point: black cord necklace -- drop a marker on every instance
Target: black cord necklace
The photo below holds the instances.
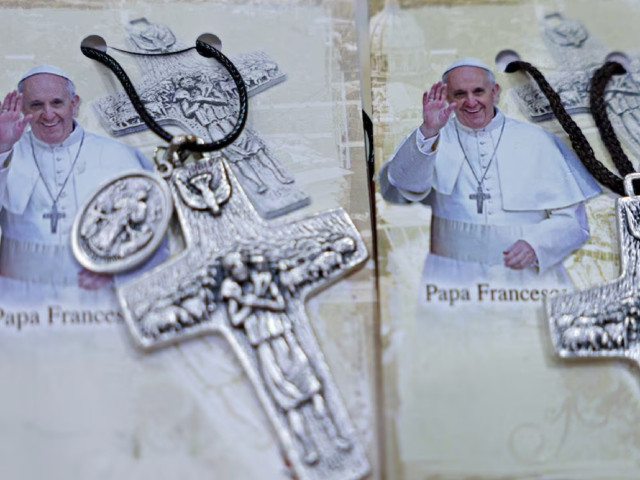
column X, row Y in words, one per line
column 578, row 141
column 122, row 200
column 599, row 82
column 95, row 47
column 606, row 315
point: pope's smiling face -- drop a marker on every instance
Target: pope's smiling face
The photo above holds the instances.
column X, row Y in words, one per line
column 47, row 98
column 474, row 94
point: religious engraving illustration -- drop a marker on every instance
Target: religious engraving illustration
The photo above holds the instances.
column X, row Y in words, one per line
column 199, row 96
column 565, row 31
column 250, row 156
column 247, row 280
column 205, row 188
column 150, row 37
column 623, row 104
column 578, row 55
column 123, row 223
column 603, row 320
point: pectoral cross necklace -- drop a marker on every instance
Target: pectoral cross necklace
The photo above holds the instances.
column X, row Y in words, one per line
column 480, row 196
column 54, row 214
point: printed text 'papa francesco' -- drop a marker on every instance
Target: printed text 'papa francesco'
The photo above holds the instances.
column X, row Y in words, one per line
column 55, row 315
column 485, row 293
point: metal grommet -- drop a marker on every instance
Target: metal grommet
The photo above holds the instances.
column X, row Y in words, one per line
column 628, row 184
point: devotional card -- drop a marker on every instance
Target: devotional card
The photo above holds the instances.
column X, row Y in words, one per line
column 472, row 385
column 80, row 398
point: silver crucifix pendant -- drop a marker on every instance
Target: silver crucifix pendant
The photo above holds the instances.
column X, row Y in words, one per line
column 54, row 215
column 602, row 321
column 247, row 280
column 479, row 197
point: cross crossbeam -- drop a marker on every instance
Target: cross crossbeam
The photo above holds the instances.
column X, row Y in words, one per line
column 200, row 97
column 602, row 321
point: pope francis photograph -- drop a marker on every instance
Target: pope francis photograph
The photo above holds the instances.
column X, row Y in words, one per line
column 49, row 166
column 507, row 197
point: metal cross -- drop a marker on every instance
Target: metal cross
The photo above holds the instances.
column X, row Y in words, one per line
column 578, row 55
column 247, row 280
column 602, row 321
column 199, row 96
column 479, row 197
column 54, row 215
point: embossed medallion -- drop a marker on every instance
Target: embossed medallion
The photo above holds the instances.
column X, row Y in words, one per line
column 122, row 224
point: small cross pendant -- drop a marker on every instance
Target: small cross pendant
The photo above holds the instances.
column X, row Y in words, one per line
column 479, row 197
column 53, row 216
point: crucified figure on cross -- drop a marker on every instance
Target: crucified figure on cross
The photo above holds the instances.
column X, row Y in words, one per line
column 247, row 280
column 255, row 303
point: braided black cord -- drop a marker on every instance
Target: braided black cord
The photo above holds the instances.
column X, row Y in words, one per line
column 208, row 51
column 599, row 82
column 204, row 50
column 115, row 67
column 578, row 141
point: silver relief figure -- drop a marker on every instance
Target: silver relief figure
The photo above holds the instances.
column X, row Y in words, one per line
column 247, row 280
column 150, row 37
column 249, row 155
column 204, row 187
column 199, row 96
column 603, row 321
column 123, row 223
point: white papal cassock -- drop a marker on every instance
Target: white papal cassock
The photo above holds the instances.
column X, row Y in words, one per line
column 32, row 257
column 537, row 189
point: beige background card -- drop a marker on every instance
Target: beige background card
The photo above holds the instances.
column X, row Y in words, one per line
column 79, row 400
column 474, row 390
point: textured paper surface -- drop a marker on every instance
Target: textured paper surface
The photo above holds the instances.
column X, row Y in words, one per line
column 79, row 401
column 476, row 391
